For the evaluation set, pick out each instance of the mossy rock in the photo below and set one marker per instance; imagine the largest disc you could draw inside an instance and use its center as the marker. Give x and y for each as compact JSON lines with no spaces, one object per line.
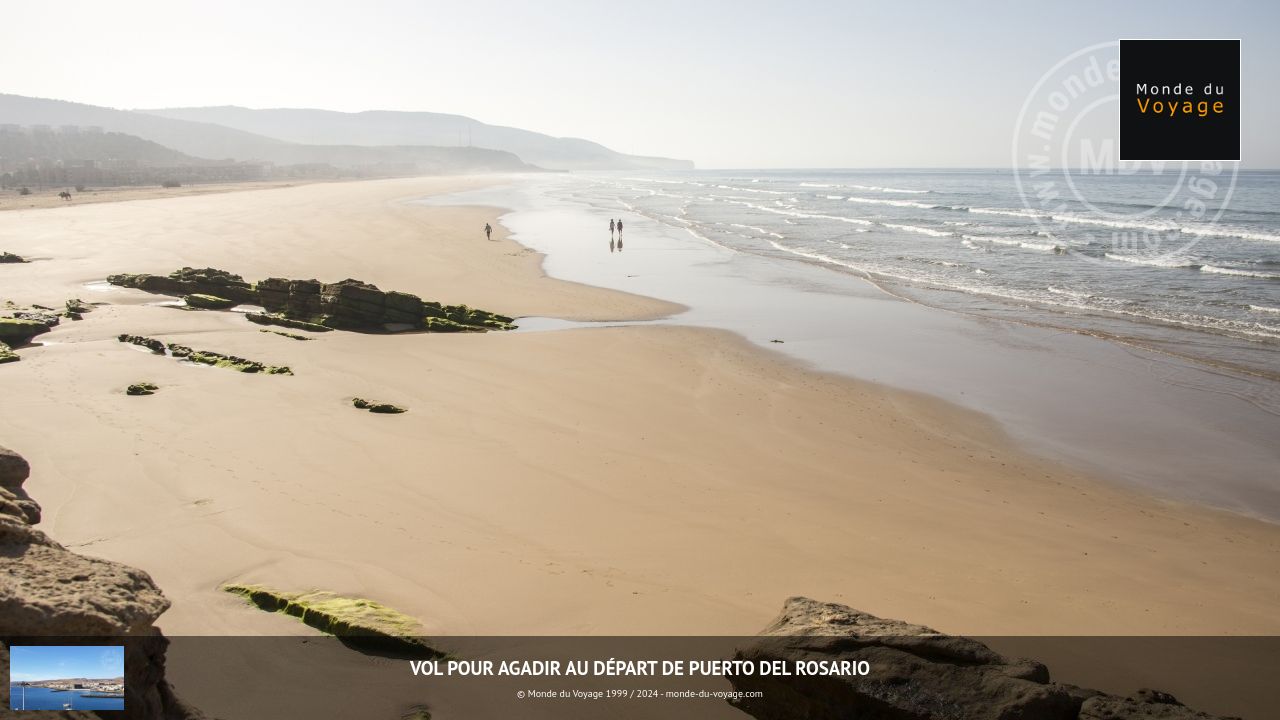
{"x":7,"y":355}
{"x":231,"y":362}
{"x":281,"y":333}
{"x":377,"y":407}
{"x":8,"y":257}
{"x":208,"y":302}
{"x":15,"y":331}
{"x":445,"y":325}
{"x":151,"y":344}
{"x":359,"y":622}
{"x":271,"y":319}
{"x":142,"y":388}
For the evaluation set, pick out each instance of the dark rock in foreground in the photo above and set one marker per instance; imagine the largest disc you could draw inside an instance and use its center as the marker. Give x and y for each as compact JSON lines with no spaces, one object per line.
{"x":7,"y":355}
{"x":142,"y":388}
{"x":916,"y":674}
{"x":355,"y":305}
{"x":191,"y":281}
{"x":311,"y":304}
{"x":8,"y":257}
{"x":52,"y":592}
{"x":14,"y":469}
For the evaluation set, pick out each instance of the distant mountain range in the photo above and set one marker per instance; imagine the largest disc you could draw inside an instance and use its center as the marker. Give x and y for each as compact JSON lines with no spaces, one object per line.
{"x":384,"y":127}
{"x":430,"y":141}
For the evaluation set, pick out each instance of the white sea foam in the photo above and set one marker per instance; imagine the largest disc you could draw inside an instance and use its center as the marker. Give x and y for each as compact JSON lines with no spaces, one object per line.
{"x":889,"y":189}
{"x":918,"y":229}
{"x":1240,"y":273}
{"x":1160,"y":261}
{"x":895,"y":203}
{"x":1012,"y":242}
{"x":1264,"y":309}
{"x":754,"y":228}
{"x":786,"y":210}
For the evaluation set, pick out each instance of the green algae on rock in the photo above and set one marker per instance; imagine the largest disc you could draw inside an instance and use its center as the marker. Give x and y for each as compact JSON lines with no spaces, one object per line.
{"x":270,"y":319}
{"x":232,"y":362}
{"x":142,"y":388}
{"x":208,"y":302}
{"x":18,"y":331}
{"x":281,"y":333}
{"x":7,"y":355}
{"x":310,"y":304}
{"x":377,"y":407}
{"x":188,"y":281}
{"x":76,"y":308}
{"x":357,"y":621}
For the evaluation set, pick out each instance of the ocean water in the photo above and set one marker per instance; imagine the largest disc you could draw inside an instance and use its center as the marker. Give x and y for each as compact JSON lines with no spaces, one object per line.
{"x":45,"y":699}
{"x":1115,"y":256}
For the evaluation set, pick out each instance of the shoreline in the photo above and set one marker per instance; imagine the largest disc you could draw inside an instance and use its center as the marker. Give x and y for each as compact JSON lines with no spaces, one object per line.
{"x":1173,"y":428}
{"x":639,"y":470}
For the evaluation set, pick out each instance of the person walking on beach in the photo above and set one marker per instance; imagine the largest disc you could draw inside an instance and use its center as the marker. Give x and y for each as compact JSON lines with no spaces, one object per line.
{"x":619,"y":228}
{"x":488,"y":231}
{"x":610,"y":229}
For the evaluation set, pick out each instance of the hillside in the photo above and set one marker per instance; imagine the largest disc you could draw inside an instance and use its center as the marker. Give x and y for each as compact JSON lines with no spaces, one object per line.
{"x":380,"y":127}
{"x":16,"y":146}
{"x":212,"y":141}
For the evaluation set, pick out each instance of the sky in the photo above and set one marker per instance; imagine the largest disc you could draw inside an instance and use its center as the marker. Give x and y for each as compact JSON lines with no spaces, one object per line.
{"x":724,"y":83}
{"x":57,"y":662}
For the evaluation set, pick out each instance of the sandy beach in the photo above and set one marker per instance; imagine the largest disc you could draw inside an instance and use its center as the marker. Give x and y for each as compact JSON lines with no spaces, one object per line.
{"x":630,"y":480}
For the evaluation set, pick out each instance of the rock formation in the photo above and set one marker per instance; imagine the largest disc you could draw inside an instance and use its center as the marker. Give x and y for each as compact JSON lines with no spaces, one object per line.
{"x":266,"y":319}
{"x":359,"y":622}
{"x":312,"y":305}
{"x":7,"y":355}
{"x":50,"y":591}
{"x":355,"y":305}
{"x":142,"y":388}
{"x":377,"y":407}
{"x":19,"y":331}
{"x":191,"y":281}
{"x":8,"y":257}
{"x":291,"y":336}
{"x":232,"y":362}
{"x":151,"y":344}
{"x":208,"y":302}
{"x":917,"y":674}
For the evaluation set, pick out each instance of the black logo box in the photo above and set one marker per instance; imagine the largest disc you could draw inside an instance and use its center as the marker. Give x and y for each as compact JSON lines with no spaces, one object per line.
{"x":1180,"y":65}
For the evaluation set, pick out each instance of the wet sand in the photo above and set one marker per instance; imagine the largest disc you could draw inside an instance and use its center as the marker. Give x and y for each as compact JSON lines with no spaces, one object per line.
{"x":632,"y":480}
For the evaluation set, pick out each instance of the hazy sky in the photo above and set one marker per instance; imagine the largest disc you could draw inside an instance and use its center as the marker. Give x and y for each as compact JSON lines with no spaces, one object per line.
{"x":724,"y":83}
{"x":57,"y":662}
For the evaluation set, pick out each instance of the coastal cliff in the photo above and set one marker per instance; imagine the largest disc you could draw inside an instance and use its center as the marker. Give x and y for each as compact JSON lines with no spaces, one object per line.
{"x":47,"y":591}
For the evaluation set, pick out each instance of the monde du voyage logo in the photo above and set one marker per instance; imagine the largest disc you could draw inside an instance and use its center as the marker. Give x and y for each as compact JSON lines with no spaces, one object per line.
{"x":1180,"y":100}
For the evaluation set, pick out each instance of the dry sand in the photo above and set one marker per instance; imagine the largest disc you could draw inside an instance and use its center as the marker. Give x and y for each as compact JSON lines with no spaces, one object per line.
{"x":39,"y":198}
{"x":601,"y":481}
